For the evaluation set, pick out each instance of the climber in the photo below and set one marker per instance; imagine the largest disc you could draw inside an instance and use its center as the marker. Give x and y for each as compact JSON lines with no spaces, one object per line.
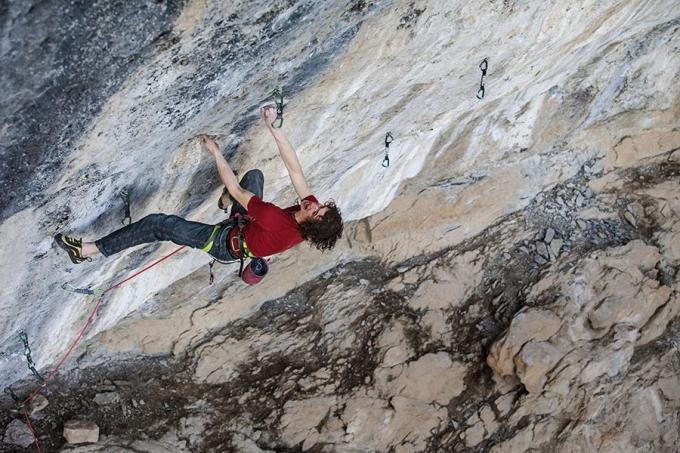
{"x":265,"y":228}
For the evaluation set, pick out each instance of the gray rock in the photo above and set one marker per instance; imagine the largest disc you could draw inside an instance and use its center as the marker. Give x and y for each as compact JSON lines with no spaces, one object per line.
{"x":555,"y":247}
{"x":549,"y":235}
{"x":630,"y":218}
{"x":580,"y":200}
{"x":80,"y":431}
{"x":38,"y":403}
{"x":597,"y":167}
{"x":637,"y":210}
{"x":542,"y":249}
{"x":107,"y":398}
{"x":17,"y":433}
{"x":538,"y":259}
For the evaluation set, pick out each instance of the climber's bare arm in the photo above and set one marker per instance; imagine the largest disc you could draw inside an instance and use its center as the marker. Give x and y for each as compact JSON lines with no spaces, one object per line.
{"x":226,"y":174}
{"x":290,"y":159}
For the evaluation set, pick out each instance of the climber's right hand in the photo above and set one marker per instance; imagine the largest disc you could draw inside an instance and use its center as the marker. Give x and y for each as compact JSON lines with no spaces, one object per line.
{"x":268,"y":115}
{"x":208,"y":143}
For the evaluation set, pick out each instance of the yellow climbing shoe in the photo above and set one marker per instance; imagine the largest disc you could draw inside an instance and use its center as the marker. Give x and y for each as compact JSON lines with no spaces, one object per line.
{"x":73,"y":246}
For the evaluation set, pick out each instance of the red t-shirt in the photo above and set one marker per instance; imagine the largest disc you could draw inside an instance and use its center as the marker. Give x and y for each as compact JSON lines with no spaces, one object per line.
{"x":270,"y":229}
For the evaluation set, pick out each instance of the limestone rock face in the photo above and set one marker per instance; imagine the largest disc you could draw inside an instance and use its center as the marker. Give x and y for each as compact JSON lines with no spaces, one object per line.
{"x":431,"y":378}
{"x":530,"y":325}
{"x":509,"y":283}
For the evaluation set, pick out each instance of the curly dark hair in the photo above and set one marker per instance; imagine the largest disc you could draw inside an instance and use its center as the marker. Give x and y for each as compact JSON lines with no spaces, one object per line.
{"x":323,"y":233}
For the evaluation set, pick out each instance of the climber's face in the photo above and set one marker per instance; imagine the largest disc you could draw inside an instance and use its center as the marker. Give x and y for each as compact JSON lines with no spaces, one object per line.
{"x":312,"y":210}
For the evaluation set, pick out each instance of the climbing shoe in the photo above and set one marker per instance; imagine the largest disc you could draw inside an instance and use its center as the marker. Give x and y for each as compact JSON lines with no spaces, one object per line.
{"x":220,"y":204}
{"x":73,"y":246}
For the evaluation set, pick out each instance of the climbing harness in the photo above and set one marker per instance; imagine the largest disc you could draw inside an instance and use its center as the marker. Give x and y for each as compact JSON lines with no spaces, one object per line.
{"x":125,"y":195}
{"x":87,"y":291}
{"x":243,"y":251}
{"x":278,"y":95}
{"x":211,"y":241}
{"x":388,"y":140}
{"x":483,"y":66}
{"x":237,"y":221}
{"x":27,"y":352}
{"x":256,"y":269}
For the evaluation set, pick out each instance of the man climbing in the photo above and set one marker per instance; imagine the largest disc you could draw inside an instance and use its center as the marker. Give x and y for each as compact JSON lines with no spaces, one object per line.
{"x":268,"y":229}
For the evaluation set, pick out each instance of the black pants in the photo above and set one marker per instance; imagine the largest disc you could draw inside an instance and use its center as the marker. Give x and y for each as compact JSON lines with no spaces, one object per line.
{"x":162,"y":227}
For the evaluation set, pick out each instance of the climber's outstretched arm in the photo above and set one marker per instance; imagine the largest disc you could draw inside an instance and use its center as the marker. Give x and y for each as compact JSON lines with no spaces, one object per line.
{"x":287,"y":152}
{"x":226,"y":173}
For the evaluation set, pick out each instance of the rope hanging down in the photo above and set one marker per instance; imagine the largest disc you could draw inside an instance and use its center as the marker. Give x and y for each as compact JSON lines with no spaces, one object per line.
{"x":388,"y":140}
{"x":483,"y":66}
{"x":77,"y":340}
{"x":278,"y":99}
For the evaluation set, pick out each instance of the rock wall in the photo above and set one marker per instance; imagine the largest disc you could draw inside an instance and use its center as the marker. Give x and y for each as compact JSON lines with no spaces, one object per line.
{"x":508,"y":284}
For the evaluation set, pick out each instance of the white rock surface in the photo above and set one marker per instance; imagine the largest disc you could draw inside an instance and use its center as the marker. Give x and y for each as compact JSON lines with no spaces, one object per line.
{"x":80,"y":431}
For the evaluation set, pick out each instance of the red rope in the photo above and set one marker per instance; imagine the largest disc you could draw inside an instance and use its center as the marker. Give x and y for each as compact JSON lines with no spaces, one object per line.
{"x":80,"y":336}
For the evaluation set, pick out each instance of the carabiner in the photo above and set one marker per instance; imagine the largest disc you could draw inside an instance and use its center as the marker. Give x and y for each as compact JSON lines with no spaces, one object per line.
{"x":278,"y":92}
{"x":388,"y":140}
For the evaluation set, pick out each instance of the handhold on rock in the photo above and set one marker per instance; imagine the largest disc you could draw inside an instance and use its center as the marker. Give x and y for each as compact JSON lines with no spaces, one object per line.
{"x":38,"y":403}
{"x":80,"y":431}
{"x":103,"y":399}
{"x":549,"y":235}
{"x":542,"y":249}
{"x":555,"y":247}
{"x":630,"y":218}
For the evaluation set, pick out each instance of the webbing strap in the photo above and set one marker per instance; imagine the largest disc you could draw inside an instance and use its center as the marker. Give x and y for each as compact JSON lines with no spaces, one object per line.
{"x":209,"y":245}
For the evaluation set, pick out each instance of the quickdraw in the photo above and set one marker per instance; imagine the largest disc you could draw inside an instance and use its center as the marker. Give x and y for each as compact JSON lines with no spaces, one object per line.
{"x":75,"y":342}
{"x":388,"y":140}
{"x":211,"y":278}
{"x":125,"y":195}
{"x":483,"y":66}
{"x":87,"y":291}
{"x":10,"y":392}
{"x":278,"y":95}
{"x":27,"y":352}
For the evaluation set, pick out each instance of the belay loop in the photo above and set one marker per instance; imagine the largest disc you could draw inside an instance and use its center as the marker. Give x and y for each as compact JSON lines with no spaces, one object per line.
{"x":125,"y":195}
{"x":278,"y":95}
{"x":236,"y":221}
{"x":483,"y":66}
{"x":388,"y":140}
